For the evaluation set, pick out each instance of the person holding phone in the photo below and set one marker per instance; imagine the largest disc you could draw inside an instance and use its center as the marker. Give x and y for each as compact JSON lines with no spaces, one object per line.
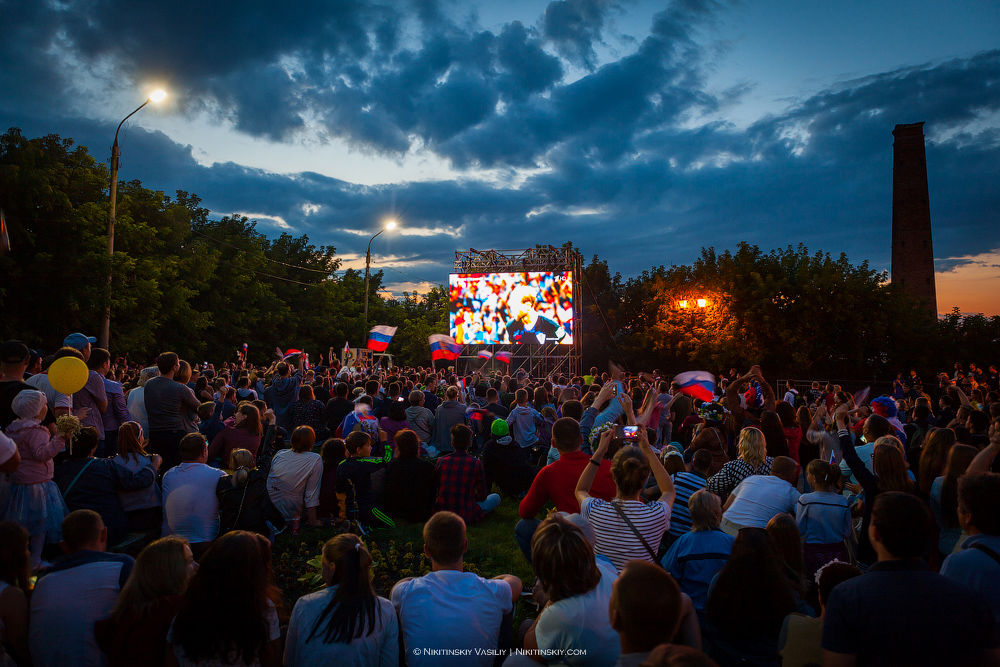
{"x":627,"y":528}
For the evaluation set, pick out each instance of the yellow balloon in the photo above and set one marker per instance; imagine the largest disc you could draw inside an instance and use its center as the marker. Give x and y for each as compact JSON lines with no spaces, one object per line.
{"x":68,"y":375}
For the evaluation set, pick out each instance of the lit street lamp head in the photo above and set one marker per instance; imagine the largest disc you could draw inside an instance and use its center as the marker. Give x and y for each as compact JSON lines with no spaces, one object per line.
{"x":391,"y":224}
{"x":158,"y":96}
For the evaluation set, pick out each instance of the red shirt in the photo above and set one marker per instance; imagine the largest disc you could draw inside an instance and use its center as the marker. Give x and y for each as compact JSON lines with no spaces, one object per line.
{"x":557,"y":482}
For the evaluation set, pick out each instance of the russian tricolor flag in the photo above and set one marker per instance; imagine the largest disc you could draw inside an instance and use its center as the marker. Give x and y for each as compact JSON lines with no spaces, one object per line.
{"x":379,"y":338}
{"x":443,"y":347}
{"x":697,"y":384}
{"x":485,"y":354}
{"x":291,"y":353}
{"x":502,"y":356}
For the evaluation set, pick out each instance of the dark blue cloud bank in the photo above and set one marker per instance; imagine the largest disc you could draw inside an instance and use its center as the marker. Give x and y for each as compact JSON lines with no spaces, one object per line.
{"x":611,"y":155}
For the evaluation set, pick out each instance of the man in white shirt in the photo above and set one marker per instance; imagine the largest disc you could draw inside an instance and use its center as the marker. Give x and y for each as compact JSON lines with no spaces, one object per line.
{"x":790,"y":392}
{"x":73,"y":594}
{"x":190,"y":506}
{"x":451,"y":617}
{"x":759,"y":498}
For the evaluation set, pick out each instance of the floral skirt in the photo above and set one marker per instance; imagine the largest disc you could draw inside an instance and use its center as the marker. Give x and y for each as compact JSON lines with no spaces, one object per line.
{"x":37,"y":507}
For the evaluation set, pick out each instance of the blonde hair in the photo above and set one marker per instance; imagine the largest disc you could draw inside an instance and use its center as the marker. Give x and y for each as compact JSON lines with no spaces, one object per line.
{"x":241,"y":462}
{"x":753,"y":446}
{"x":161,"y":569}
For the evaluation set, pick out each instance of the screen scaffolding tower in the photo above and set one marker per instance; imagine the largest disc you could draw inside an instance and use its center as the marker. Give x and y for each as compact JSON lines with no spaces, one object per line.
{"x":536,"y":360}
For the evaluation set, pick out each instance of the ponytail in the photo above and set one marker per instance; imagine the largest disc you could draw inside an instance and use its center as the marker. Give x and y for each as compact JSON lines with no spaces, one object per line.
{"x":353,"y":610}
{"x":827,"y":474}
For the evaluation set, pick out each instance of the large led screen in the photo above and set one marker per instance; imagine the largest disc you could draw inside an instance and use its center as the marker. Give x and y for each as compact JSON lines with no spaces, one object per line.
{"x":533,"y":308}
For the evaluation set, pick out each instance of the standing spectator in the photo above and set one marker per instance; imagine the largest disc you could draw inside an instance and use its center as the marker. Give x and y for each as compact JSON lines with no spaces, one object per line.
{"x":410,"y":482}
{"x":136,"y":401}
{"x":95,"y":484}
{"x":421,"y":421}
{"x":190,"y":506}
{"x":33,"y":499}
{"x":244,"y":503}
{"x":697,"y":556}
{"x":75,"y":593}
{"x":977,"y":563}
{"x":282,"y":393}
{"x":143,"y":508}
{"x":449,"y":609}
{"x":135,"y":635}
{"x":116,"y":413}
{"x":229,"y":614}
{"x":712,"y":436}
{"x":244,"y":433}
{"x":759,"y":498}
{"x":900,"y":612}
{"x":338,"y":407}
{"x":823,"y":517}
{"x":626,"y":527}
{"x":15,"y":586}
{"x":448,"y":414}
{"x":791,"y":393}
{"x":59,"y":403}
{"x":346,"y":623}
{"x":461,"y":480}
{"x":93,"y":396}
{"x":294,"y":479}
{"x":307,"y":411}
{"x":14,"y":357}
{"x":164,"y":400}
{"x":790,"y":426}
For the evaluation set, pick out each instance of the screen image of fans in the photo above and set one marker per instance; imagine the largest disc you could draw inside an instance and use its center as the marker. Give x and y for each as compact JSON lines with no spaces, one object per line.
{"x":532,"y":308}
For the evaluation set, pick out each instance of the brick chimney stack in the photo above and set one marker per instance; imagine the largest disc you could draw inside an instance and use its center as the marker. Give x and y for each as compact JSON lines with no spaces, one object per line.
{"x":912,"y":246}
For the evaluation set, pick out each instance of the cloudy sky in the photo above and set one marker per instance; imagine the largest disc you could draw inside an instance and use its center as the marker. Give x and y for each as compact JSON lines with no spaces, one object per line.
{"x":640,"y":131}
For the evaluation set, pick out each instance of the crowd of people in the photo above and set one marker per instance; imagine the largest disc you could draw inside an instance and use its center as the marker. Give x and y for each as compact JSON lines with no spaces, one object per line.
{"x":822,"y":528}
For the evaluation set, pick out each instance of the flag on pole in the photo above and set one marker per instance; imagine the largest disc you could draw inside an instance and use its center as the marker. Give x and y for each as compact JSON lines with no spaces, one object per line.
{"x":833,"y":457}
{"x":485,"y":354}
{"x":347,"y":353}
{"x":697,"y":384}
{"x":379,"y":338}
{"x":290,"y":353}
{"x":861,"y":397}
{"x":502,"y":356}
{"x":443,"y":347}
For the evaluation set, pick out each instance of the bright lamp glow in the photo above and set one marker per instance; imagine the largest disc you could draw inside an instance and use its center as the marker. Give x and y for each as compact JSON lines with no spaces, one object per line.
{"x":158,"y":96}
{"x":682,"y":304}
{"x":701,"y":303}
{"x":391,"y":224}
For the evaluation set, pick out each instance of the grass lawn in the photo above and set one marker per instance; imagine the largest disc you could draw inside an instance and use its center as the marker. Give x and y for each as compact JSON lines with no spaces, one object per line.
{"x":398,"y":553}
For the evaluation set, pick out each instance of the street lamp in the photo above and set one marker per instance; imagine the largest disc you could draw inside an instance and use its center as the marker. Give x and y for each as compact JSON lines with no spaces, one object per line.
{"x":391,"y":224}
{"x":105,"y":336}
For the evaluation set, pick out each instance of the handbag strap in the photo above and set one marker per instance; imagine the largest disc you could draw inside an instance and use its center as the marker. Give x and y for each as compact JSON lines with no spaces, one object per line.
{"x":85,"y":466}
{"x":986,"y":550}
{"x":635,"y":531}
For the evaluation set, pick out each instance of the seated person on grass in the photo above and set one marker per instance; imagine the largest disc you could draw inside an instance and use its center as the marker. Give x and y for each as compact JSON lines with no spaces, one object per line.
{"x":354,"y":483}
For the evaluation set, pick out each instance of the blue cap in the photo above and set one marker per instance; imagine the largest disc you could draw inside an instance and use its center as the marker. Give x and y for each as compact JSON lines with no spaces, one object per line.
{"x":78,"y":341}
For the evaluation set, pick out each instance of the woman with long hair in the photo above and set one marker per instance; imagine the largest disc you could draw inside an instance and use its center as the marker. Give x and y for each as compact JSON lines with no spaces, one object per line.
{"x":627,"y":527}
{"x":333,"y":452}
{"x":808,"y":450}
{"x":933,"y":457}
{"x":15,"y":585}
{"x":229,"y":613}
{"x":244,"y":503}
{"x":774,"y":434}
{"x":578,"y":592}
{"x":346,"y":623}
{"x":749,"y":601}
{"x":394,"y":420}
{"x":785,"y":533}
{"x":143,"y":508}
{"x":136,"y":632}
{"x":753,"y":460}
{"x":244,"y":431}
{"x":890,"y":474}
{"x":307,"y":411}
{"x":791,"y":427}
{"x":944,"y":498}
{"x":711,"y":436}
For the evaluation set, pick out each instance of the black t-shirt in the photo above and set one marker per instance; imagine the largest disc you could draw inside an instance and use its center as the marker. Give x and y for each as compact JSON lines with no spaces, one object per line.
{"x":8,"y":390}
{"x":544,"y":327}
{"x":336,"y":409}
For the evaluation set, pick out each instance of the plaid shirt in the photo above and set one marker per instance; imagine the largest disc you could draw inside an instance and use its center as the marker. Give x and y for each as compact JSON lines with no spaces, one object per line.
{"x":461,"y":483}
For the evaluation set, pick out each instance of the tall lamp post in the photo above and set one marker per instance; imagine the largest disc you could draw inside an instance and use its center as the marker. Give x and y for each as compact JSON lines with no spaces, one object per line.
{"x":368,"y":261}
{"x":105,"y":336}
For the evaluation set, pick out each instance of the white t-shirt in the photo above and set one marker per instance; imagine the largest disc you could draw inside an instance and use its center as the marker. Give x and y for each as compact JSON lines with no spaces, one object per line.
{"x":759,"y":498}
{"x":7,"y":448}
{"x":294,"y":480}
{"x":273,"y":632}
{"x":577,"y":630}
{"x":190,"y":506}
{"x":447,"y":615}
{"x":136,"y":404}
{"x":381,"y":647}
{"x":54,"y":398}
{"x":615,"y":539}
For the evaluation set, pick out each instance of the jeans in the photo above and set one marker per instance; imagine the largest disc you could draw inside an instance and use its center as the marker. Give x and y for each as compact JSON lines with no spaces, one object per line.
{"x":524,"y":530}
{"x":491,"y":503}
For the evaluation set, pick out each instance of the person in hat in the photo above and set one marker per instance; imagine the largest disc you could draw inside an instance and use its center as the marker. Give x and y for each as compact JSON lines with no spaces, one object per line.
{"x":33,"y":499}
{"x":505,"y":463}
{"x":14,"y":356}
{"x":93,"y":396}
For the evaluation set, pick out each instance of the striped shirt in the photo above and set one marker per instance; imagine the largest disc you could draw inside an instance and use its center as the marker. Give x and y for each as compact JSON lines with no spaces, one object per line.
{"x":615,"y":540}
{"x":723,"y":482}
{"x":685,"y":484}
{"x":823,"y":517}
